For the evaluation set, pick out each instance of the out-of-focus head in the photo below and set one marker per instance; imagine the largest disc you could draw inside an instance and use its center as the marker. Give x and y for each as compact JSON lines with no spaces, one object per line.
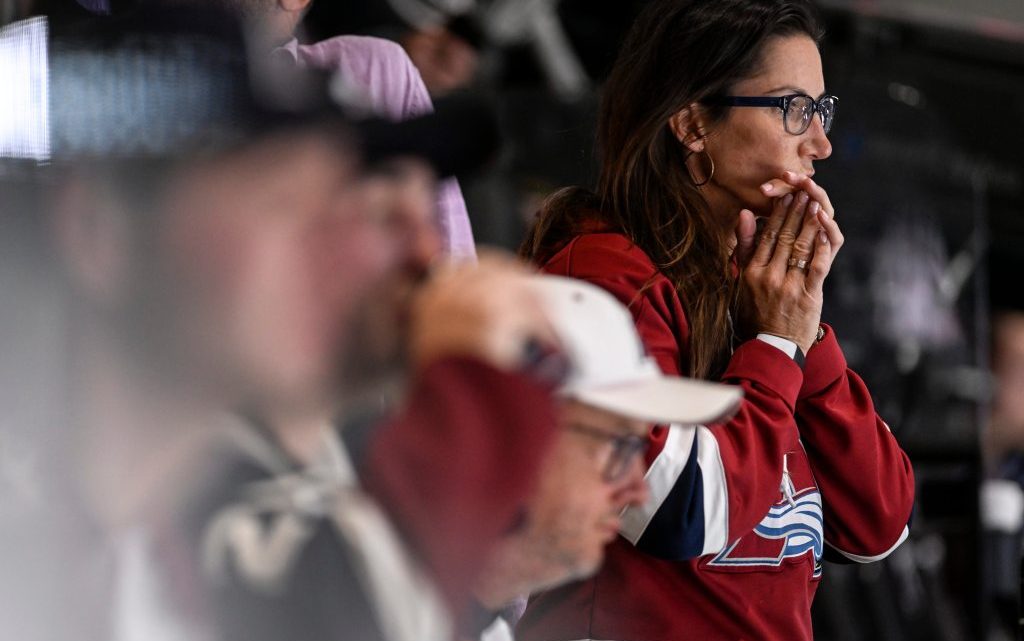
{"x":443,"y":38}
{"x":204,"y":219}
{"x":1008,"y":363}
{"x":447,"y":55}
{"x":259,"y":258}
{"x":458,"y":137}
{"x":593,"y":471}
{"x":1006,"y":431}
{"x":404,"y":196}
{"x":224,"y":230}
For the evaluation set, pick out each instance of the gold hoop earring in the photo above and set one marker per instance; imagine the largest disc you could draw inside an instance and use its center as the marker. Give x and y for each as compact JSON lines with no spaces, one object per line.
{"x":710,"y":173}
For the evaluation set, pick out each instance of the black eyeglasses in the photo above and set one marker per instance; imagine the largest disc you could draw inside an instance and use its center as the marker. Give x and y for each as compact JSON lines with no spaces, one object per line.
{"x":625,"y":449}
{"x":797,"y":109}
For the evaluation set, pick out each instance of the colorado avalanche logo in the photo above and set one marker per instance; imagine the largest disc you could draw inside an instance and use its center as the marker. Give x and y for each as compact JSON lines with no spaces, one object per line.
{"x":796,"y":524}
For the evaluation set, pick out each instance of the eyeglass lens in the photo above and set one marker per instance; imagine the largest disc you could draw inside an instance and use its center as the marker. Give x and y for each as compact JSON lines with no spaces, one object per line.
{"x":801,"y":109}
{"x":624,"y":452}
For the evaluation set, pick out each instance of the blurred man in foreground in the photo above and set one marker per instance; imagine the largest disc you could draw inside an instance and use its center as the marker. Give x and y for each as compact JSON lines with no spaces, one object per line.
{"x":213,"y":253}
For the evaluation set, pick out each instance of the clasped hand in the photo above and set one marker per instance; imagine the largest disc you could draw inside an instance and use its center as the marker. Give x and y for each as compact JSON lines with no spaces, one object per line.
{"x":784,"y":268}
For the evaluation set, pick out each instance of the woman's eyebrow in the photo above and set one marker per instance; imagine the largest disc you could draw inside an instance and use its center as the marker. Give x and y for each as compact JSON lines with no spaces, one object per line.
{"x":792,"y":88}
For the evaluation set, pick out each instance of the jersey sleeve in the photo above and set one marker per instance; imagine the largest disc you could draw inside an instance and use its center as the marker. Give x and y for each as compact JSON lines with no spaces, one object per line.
{"x":865,"y":478}
{"x":711,"y":484}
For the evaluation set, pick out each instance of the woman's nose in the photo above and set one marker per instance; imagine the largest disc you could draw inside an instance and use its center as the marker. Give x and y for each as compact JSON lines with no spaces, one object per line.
{"x":816,"y":144}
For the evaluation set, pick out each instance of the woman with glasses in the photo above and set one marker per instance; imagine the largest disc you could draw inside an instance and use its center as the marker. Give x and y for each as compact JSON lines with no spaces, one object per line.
{"x":713,"y":117}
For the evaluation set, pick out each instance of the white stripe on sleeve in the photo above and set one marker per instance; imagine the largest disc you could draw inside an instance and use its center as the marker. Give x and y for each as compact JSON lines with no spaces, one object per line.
{"x":871,"y":559}
{"x":716,"y":492}
{"x":664,"y":473}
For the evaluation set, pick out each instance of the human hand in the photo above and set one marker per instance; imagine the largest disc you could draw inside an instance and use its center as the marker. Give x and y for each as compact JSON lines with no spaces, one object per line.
{"x":791,"y":182}
{"x":445,"y":60}
{"x":781,"y":287}
{"x":486,"y":311}
{"x":744,"y":239}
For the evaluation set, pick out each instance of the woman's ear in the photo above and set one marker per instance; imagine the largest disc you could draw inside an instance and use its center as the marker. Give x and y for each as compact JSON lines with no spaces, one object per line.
{"x":687,"y":125}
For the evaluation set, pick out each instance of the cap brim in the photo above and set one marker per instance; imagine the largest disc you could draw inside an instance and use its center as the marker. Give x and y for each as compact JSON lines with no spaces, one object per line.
{"x":666,"y":400}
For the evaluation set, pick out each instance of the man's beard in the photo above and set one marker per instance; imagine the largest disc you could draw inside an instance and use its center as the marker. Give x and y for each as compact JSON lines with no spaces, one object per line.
{"x":375,"y":352}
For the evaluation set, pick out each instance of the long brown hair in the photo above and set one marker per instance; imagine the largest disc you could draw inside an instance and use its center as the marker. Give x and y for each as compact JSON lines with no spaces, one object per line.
{"x":678,"y":52}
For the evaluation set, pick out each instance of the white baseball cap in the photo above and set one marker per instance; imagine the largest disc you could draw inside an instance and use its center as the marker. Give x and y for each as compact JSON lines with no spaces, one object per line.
{"x":609,"y":368}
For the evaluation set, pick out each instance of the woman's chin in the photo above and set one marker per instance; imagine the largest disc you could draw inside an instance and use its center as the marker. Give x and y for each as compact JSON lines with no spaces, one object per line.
{"x":727,"y":203}
{"x":761,"y":207}
{"x":760,"y":204}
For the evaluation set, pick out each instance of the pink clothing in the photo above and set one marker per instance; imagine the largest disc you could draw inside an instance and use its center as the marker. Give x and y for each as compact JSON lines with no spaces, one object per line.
{"x":392,"y":87}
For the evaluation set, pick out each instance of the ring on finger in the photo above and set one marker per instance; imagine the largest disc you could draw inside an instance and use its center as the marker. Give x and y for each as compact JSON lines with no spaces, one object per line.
{"x":799,"y":263}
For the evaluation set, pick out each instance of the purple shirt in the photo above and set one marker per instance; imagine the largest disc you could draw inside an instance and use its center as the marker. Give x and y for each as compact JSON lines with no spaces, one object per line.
{"x":392,"y":88}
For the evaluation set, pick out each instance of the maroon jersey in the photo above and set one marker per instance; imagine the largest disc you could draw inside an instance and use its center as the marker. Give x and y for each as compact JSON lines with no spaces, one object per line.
{"x":741,"y":514}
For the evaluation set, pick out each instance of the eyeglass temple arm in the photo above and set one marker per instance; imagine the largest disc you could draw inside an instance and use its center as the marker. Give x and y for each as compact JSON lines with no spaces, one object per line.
{"x":750,"y":101}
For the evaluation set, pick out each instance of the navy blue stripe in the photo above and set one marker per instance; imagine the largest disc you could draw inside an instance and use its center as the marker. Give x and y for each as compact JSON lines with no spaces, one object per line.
{"x":676,"y":531}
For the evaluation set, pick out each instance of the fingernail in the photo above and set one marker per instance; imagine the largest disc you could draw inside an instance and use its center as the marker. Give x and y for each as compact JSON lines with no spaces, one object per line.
{"x":803,"y":197}
{"x":789,"y":174}
{"x":823,"y":237}
{"x":787,"y":200}
{"x":813,"y":209}
{"x":766,"y":188}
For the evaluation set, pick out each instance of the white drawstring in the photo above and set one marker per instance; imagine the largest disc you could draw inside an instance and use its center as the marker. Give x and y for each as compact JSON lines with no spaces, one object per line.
{"x":786,"y":487}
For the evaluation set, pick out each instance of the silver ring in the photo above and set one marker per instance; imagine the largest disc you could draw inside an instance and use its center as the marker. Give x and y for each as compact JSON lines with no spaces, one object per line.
{"x":799,"y":263}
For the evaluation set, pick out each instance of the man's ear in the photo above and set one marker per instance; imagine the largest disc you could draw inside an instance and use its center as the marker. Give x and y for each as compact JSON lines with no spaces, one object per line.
{"x":688,"y":126}
{"x":92,"y":237}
